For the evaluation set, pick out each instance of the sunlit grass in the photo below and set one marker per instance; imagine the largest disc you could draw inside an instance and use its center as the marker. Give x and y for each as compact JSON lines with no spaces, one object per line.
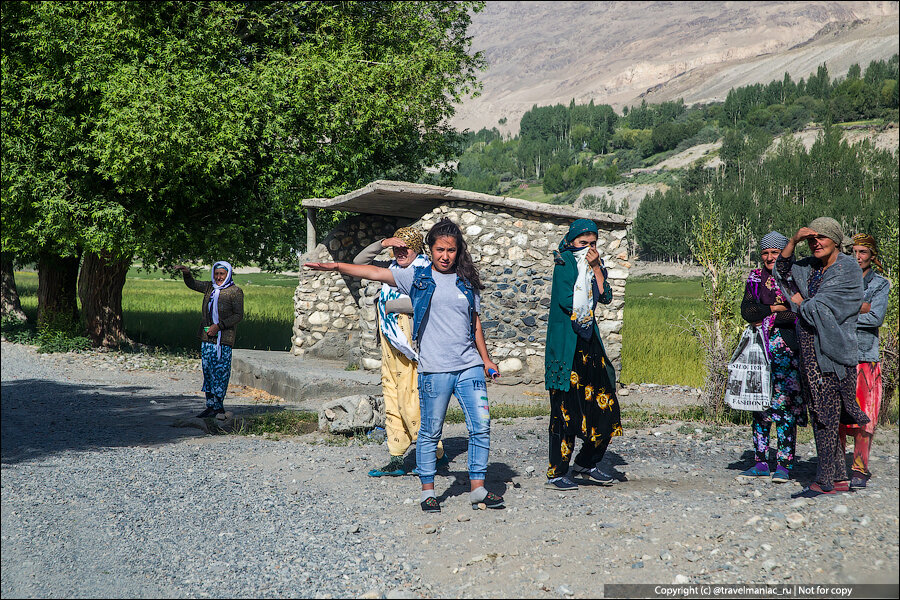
{"x":162,"y":311}
{"x":534,"y":192}
{"x":654,"y":347}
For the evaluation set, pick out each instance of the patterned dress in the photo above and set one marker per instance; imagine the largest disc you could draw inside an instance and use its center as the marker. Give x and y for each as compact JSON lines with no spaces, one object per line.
{"x":589,"y":411}
{"x":787,"y":409}
{"x":825,"y":395}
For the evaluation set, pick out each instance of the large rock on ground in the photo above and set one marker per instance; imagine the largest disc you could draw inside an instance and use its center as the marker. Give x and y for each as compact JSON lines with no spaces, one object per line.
{"x":352,"y":413}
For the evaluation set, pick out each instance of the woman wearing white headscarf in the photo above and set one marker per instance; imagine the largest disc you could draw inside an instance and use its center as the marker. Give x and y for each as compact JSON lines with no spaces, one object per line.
{"x":223,"y":309}
{"x":577,"y":371}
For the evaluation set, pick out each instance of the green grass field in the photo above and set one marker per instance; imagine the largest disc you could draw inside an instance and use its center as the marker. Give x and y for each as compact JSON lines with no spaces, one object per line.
{"x":534,"y":192}
{"x":654,"y":347}
{"x":161,"y":311}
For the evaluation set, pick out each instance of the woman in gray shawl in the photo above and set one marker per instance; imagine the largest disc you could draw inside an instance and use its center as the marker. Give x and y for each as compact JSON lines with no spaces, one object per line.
{"x":830,"y":296}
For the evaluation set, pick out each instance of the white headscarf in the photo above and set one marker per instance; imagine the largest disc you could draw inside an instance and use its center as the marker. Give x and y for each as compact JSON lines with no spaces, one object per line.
{"x":214,"y":300}
{"x":389,"y":326}
{"x":583,"y":295}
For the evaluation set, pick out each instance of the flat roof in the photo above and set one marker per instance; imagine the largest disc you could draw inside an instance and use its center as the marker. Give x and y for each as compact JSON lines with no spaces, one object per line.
{"x":412,"y":200}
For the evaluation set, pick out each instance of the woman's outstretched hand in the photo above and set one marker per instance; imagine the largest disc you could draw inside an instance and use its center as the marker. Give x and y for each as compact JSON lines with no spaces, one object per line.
{"x":183,"y":269}
{"x":321,"y":266}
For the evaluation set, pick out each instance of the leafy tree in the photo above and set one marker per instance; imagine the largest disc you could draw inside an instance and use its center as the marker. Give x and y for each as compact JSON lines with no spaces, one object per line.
{"x":715,"y":244}
{"x":553,"y":180}
{"x":173,"y":131}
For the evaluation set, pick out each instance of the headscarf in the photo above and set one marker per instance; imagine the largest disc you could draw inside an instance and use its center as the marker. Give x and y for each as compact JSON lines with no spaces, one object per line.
{"x":761,"y":281}
{"x":831,"y":229}
{"x":412,"y":238}
{"x":583,"y":290}
{"x":763,"y":286}
{"x":863,"y":239}
{"x":213,"y":306}
{"x":773,"y":239}
{"x":388,"y":321}
{"x":575,"y":229}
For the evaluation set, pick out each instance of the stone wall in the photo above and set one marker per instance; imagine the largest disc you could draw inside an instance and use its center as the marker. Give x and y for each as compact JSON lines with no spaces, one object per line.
{"x":514,"y":253}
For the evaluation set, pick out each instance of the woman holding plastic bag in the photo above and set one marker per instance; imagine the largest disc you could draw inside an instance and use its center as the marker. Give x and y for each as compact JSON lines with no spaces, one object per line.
{"x":765,"y":306}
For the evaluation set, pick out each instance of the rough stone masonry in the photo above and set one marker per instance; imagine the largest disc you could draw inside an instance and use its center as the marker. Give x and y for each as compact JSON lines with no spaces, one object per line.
{"x":513,"y":249}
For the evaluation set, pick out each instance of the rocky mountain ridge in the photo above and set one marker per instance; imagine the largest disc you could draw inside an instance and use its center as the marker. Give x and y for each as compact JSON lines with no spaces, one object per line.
{"x":620,"y":52}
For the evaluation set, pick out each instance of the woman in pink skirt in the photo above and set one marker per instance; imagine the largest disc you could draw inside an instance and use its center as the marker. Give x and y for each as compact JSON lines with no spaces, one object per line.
{"x":868,"y":372}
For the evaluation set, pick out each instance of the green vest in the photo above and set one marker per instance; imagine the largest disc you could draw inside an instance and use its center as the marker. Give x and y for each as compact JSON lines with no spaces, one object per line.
{"x":559,"y":350}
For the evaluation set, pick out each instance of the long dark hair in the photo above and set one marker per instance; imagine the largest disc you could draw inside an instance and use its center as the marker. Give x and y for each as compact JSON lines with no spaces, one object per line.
{"x":464,"y":266}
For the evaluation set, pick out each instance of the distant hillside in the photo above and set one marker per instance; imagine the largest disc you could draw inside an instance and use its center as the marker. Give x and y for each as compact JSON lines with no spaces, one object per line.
{"x":618,"y":52}
{"x":707,"y":156}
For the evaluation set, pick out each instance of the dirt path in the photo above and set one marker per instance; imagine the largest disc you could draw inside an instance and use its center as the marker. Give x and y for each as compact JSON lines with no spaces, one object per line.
{"x":288,"y":508}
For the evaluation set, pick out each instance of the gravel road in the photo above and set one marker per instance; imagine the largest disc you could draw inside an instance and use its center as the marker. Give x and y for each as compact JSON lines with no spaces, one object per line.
{"x":102,"y":497}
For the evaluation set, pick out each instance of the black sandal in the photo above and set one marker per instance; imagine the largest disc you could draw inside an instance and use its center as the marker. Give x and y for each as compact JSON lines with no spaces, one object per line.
{"x":431,"y":505}
{"x":492,"y":500}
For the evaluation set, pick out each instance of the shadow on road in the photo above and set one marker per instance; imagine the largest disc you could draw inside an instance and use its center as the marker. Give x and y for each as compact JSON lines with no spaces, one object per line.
{"x":43,"y":417}
{"x":803,"y":471}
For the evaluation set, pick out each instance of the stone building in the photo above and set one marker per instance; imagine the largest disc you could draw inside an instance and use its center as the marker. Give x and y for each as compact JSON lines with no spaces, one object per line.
{"x":511,"y":242}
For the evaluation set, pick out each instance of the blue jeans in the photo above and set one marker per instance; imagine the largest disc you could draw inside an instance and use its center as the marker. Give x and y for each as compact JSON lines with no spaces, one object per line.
{"x":434,"y":396}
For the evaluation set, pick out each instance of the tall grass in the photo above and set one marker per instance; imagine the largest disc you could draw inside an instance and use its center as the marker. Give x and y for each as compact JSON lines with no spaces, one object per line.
{"x":161,"y":311}
{"x":654,"y":348}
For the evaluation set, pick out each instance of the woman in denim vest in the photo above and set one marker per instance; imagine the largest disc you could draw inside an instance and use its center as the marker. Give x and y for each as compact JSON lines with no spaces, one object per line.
{"x":453,"y":357}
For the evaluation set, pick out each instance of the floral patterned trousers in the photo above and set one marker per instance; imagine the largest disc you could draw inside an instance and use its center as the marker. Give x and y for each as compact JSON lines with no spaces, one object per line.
{"x":589,"y":411}
{"x":787,"y":405}
{"x":216,"y":373}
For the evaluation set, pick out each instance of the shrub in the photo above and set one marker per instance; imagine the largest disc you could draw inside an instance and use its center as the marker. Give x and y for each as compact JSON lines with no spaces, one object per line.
{"x":716,"y":245}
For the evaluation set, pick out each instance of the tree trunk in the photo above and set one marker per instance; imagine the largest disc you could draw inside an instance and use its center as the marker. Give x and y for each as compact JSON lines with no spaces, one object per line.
{"x":9,"y":302}
{"x":100,"y":289}
{"x":57,"y":285}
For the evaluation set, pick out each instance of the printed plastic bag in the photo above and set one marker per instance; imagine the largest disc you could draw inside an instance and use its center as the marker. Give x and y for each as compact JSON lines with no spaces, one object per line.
{"x":749,"y":384}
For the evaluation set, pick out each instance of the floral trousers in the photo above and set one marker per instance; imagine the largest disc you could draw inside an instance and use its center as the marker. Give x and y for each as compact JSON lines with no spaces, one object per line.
{"x":216,"y":373}
{"x":787,"y":409}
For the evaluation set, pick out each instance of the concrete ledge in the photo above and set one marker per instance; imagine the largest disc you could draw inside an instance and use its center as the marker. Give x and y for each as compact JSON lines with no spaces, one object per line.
{"x":302,"y":381}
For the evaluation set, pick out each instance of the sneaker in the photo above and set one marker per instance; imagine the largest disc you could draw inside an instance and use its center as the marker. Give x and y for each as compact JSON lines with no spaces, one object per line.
{"x":756,"y":471}
{"x":394,"y":468}
{"x":210,"y":411}
{"x":593,"y":475}
{"x":858,"y":481}
{"x":561,"y":484}
{"x":492,"y":500}
{"x":781,"y":475}
{"x":431,"y":505}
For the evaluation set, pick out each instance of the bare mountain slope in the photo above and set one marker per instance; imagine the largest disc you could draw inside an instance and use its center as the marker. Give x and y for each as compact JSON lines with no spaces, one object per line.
{"x":613,"y":52}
